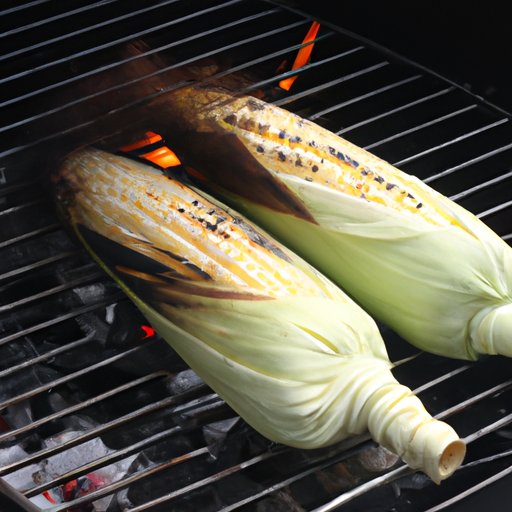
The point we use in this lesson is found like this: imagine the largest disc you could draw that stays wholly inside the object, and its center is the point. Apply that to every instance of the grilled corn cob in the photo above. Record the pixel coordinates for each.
(286, 348)
(412, 258)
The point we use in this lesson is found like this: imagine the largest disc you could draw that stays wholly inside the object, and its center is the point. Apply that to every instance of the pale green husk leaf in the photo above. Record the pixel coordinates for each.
(432, 284)
(303, 372)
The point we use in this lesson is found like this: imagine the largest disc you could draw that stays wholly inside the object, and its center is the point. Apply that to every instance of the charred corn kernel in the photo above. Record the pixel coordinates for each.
(412, 258)
(286, 348)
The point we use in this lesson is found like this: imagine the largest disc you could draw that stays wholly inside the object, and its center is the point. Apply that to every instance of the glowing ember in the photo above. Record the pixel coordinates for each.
(148, 331)
(303, 55)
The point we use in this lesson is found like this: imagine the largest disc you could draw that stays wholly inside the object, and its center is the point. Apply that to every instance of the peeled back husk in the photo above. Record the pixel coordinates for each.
(281, 344)
(415, 260)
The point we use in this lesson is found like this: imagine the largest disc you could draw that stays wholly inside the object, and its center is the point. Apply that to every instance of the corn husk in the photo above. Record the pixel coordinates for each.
(286, 348)
(414, 259)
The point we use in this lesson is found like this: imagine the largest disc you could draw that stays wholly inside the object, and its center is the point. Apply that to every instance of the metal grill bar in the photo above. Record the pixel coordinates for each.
(442, 378)
(17, 8)
(97, 48)
(50, 19)
(113, 65)
(364, 488)
(247, 64)
(36, 265)
(115, 457)
(148, 97)
(467, 163)
(82, 405)
(7, 190)
(59, 39)
(97, 431)
(17, 497)
(496, 209)
(31, 234)
(367, 102)
(276, 487)
(481, 186)
(60, 319)
(45, 357)
(400, 471)
(51, 291)
(396, 110)
(475, 399)
(472, 490)
(303, 70)
(329, 84)
(121, 484)
(452, 141)
(18, 207)
(370, 94)
(207, 481)
(432, 122)
(67, 378)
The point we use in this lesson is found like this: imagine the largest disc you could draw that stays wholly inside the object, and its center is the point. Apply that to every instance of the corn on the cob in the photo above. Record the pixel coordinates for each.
(412, 258)
(286, 348)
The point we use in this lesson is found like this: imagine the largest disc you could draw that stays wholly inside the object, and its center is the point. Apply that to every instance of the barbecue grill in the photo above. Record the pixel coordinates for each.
(97, 413)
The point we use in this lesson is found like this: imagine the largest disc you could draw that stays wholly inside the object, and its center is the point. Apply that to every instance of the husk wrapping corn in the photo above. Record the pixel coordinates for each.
(414, 259)
(287, 349)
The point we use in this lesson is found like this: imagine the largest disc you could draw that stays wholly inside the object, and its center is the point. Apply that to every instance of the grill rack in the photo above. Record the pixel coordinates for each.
(400, 111)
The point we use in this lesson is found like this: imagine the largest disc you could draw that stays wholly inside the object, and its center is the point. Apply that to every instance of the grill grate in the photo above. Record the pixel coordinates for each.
(71, 377)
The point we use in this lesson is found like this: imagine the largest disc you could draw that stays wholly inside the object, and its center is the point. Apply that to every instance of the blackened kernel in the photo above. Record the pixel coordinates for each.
(231, 119)
(410, 196)
(282, 134)
(295, 139)
(362, 196)
(195, 202)
(332, 151)
(389, 186)
(181, 210)
(211, 211)
(246, 123)
(364, 172)
(378, 179)
(210, 226)
(254, 105)
(340, 156)
(281, 156)
(260, 149)
(313, 144)
(263, 128)
(308, 178)
(298, 162)
(314, 168)
(322, 161)
(419, 205)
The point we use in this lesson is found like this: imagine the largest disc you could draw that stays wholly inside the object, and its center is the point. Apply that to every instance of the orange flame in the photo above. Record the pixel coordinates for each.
(151, 138)
(303, 55)
(162, 156)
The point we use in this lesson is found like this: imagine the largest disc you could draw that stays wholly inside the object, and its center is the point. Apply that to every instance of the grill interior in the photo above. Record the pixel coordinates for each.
(96, 410)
